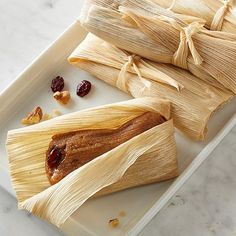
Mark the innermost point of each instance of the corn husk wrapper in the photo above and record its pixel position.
(192, 106)
(146, 158)
(148, 7)
(97, 50)
(207, 54)
(219, 14)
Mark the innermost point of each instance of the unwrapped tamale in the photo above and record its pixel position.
(146, 153)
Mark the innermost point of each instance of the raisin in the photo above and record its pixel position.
(55, 157)
(57, 84)
(83, 88)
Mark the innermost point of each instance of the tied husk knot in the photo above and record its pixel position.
(218, 19)
(186, 44)
(122, 77)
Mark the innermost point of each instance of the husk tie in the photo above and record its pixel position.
(218, 19)
(122, 78)
(186, 44)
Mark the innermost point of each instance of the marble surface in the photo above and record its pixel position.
(205, 205)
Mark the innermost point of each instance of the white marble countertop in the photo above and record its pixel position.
(205, 205)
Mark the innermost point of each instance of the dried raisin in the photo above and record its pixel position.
(55, 157)
(57, 84)
(83, 88)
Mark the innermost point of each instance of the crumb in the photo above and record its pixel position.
(46, 117)
(33, 117)
(56, 112)
(122, 213)
(114, 223)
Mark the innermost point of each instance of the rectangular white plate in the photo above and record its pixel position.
(32, 88)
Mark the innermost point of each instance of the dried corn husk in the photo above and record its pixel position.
(192, 106)
(146, 158)
(207, 54)
(144, 6)
(219, 14)
(92, 49)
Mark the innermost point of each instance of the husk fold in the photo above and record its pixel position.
(209, 55)
(146, 158)
(192, 106)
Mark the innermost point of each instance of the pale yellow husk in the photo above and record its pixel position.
(146, 158)
(219, 14)
(209, 55)
(97, 50)
(192, 106)
(145, 6)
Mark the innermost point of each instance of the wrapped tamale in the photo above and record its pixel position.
(219, 15)
(207, 54)
(193, 100)
(58, 164)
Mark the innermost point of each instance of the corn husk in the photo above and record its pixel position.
(144, 6)
(146, 158)
(192, 106)
(219, 14)
(207, 54)
(91, 49)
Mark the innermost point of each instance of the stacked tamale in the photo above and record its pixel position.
(170, 58)
(193, 100)
(165, 38)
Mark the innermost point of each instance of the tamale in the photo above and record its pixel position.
(192, 106)
(207, 54)
(146, 158)
(219, 15)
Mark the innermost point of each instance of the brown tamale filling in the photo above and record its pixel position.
(69, 151)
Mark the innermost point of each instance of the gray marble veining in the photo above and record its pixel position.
(206, 204)
(28, 27)
(14, 222)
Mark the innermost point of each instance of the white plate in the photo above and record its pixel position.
(32, 88)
